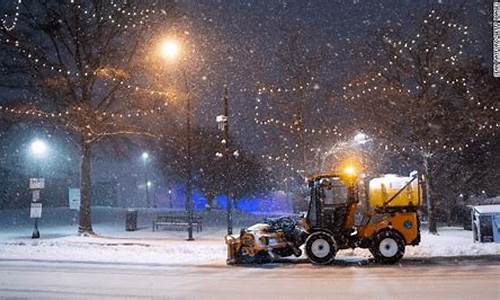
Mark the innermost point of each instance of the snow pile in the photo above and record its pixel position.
(451, 241)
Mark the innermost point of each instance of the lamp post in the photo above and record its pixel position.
(38, 149)
(170, 50)
(145, 157)
(189, 187)
(223, 124)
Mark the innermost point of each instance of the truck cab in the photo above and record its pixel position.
(332, 205)
(389, 224)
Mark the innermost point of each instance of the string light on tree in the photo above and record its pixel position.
(380, 85)
(292, 127)
(15, 18)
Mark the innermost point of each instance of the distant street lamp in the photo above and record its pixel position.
(170, 50)
(361, 138)
(38, 150)
(147, 183)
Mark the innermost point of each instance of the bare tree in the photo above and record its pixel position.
(245, 175)
(473, 171)
(416, 98)
(297, 67)
(72, 65)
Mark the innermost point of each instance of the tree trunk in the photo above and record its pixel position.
(449, 210)
(85, 213)
(210, 200)
(428, 194)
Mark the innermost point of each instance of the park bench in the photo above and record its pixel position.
(177, 222)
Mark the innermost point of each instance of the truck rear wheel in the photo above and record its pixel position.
(388, 247)
(321, 248)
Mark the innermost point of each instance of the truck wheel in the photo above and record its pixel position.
(388, 247)
(321, 248)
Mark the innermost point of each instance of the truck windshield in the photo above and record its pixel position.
(334, 193)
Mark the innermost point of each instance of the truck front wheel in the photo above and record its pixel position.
(321, 248)
(388, 247)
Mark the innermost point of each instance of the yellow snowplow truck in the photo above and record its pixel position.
(385, 222)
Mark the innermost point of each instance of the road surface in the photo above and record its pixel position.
(411, 280)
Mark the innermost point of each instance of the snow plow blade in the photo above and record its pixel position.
(232, 248)
(265, 242)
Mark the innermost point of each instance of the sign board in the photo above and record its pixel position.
(36, 210)
(74, 198)
(37, 183)
(36, 195)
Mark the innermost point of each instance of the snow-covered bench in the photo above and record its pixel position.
(177, 222)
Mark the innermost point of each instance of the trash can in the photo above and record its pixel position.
(131, 220)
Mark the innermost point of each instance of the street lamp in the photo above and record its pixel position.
(223, 124)
(147, 183)
(170, 50)
(39, 150)
(361, 138)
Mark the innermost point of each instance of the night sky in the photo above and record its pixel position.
(238, 43)
(243, 40)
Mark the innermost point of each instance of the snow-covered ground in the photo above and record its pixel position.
(115, 245)
(451, 241)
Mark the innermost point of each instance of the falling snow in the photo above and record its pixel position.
(210, 108)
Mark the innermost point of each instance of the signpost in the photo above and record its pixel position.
(74, 203)
(36, 211)
(36, 185)
(36, 195)
(74, 198)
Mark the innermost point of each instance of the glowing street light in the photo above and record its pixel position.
(38, 148)
(361, 138)
(169, 49)
(145, 156)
